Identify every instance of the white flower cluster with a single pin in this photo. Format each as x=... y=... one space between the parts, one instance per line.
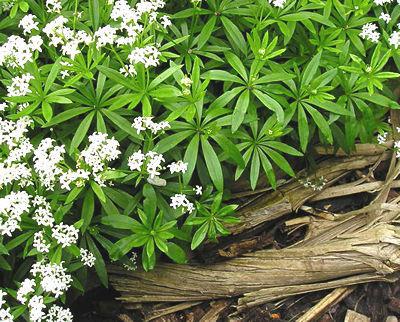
x=46 y=159
x=176 y=167
x=58 y=314
x=39 y=242
x=278 y=3
x=12 y=207
x=67 y=38
x=152 y=161
x=26 y=287
x=146 y=123
x=53 y=277
x=148 y=56
x=65 y=235
x=92 y=161
x=19 y=85
x=180 y=200
x=5 y=313
x=36 y=307
x=42 y=214
x=88 y=259
x=16 y=52
x=370 y=30
x=28 y=24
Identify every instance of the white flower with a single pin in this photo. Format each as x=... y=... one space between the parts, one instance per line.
x=278 y=3
x=177 y=167
x=165 y=21
x=58 y=314
x=42 y=214
x=385 y=17
x=39 y=242
x=53 y=6
x=154 y=161
x=46 y=159
x=369 y=32
x=26 y=287
x=12 y=207
x=180 y=200
x=19 y=85
x=146 y=123
x=88 y=258
x=5 y=315
x=78 y=177
x=28 y=24
x=16 y=52
x=382 y=138
x=394 y=39
x=148 y=56
x=198 y=190
x=65 y=235
x=136 y=160
x=36 y=307
x=54 y=277
x=105 y=36
x=2 y=300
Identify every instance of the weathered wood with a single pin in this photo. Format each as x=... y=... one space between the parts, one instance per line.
x=371 y=251
x=325 y=303
x=289 y=197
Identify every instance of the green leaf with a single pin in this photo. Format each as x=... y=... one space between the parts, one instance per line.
x=190 y=157
x=163 y=76
x=99 y=264
x=213 y=164
x=254 y=169
x=122 y=222
x=311 y=69
x=52 y=75
x=81 y=132
x=330 y=106
x=280 y=161
x=321 y=122
x=234 y=34
x=229 y=148
x=117 y=77
x=98 y=191
x=47 y=111
x=283 y=148
x=240 y=110
x=87 y=210
x=199 y=236
x=270 y=103
x=206 y=32
x=221 y=75
x=237 y=64
x=66 y=115
x=303 y=128
x=94 y=13
x=176 y=253
x=122 y=123
x=172 y=141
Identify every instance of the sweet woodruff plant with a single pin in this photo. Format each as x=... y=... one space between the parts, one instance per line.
x=124 y=125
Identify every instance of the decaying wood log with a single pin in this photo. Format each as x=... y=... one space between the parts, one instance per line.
x=372 y=251
x=291 y=196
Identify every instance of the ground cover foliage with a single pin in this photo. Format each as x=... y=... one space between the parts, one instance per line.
x=124 y=124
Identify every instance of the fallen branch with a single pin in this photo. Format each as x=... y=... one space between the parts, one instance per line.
x=373 y=251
